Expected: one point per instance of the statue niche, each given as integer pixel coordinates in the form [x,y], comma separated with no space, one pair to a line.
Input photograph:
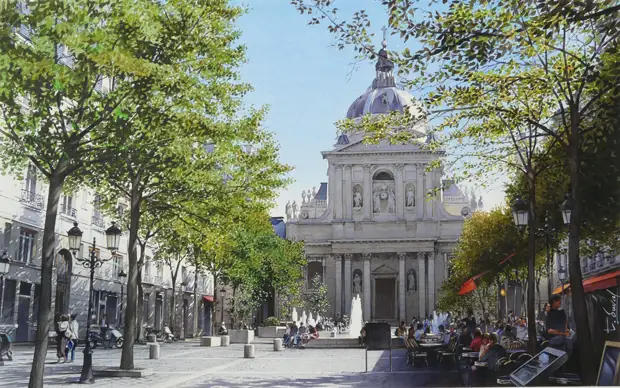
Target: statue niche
[358,197]
[409,196]
[384,196]
[357,282]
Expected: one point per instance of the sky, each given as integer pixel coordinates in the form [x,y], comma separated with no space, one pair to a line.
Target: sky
[308,85]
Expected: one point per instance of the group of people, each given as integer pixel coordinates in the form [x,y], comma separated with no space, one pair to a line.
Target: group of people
[67,332]
[299,336]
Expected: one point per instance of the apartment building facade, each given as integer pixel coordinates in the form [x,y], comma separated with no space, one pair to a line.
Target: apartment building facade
[22,216]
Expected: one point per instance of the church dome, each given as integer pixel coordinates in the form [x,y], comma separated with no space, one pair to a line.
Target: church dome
[383,96]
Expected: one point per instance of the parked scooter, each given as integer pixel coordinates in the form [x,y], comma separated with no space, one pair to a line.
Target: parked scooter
[108,337]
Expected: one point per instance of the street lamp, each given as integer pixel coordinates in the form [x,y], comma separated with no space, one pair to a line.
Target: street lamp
[223,292]
[520,213]
[121,275]
[567,208]
[5,265]
[113,237]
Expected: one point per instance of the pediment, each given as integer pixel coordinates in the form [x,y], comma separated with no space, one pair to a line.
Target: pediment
[360,146]
[385,270]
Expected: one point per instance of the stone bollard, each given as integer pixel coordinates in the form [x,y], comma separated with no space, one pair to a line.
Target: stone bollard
[248,351]
[154,351]
[225,340]
[151,338]
[277,344]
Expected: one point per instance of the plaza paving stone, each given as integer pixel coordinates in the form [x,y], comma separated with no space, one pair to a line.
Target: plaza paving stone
[187,365]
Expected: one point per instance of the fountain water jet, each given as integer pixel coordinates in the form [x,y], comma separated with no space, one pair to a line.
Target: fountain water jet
[438,319]
[294,315]
[355,326]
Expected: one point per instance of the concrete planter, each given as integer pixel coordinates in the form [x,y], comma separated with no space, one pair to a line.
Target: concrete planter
[271,331]
[241,336]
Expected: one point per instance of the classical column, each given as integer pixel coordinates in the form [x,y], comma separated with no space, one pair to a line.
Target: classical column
[366,289]
[419,190]
[422,284]
[400,192]
[430,203]
[367,192]
[446,265]
[431,282]
[402,311]
[347,283]
[338,264]
[338,189]
[348,192]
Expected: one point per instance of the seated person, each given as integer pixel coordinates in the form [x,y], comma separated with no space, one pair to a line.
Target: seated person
[401,331]
[509,339]
[522,329]
[362,338]
[442,333]
[419,331]
[465,337]
[427,332]
[476,343]
[314,333]
[491,352]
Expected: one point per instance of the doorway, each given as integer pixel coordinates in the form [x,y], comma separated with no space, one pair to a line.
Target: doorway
[23,312]
[159,305]
[63,282]
[385,298]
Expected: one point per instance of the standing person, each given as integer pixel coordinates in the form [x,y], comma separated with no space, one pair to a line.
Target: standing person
[61,337]
[557,325]
[73,334]
[542,319]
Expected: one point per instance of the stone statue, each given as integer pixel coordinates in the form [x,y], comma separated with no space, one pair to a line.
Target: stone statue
[474,204]
[377,202]
[294,207]
[391,201]
[480,204]
[303,197]
[412,284]
[410,199]
[357,199]
[313,192]
[288,211]
[357,283]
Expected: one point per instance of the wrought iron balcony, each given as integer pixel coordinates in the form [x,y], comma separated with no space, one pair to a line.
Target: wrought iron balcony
[32,199]
[68,211]
[599,262]
[98,221]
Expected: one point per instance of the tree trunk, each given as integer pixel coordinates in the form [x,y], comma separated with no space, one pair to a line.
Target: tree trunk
[173,308]
[132,278]
[140,304]
[47,262]
[584,338]
[531,250]
[196,330]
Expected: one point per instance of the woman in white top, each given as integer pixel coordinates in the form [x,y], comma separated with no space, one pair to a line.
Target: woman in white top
[72,334]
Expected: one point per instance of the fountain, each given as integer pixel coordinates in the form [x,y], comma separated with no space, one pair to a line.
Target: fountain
[318,318]
[310,317]
[438,319]
[304,318]
[355,326]
[294,315]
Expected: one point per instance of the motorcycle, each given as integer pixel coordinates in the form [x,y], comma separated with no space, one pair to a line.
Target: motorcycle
[108,337]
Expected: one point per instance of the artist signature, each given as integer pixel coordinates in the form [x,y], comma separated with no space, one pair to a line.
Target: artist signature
[612,316]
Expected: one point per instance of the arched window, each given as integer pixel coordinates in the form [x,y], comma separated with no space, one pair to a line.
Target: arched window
[384,176]
[314,268]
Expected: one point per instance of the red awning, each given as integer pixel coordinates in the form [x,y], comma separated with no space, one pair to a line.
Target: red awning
[600,282]
[208,298]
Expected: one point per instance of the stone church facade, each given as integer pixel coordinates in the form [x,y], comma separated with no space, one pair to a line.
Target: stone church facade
[373,229]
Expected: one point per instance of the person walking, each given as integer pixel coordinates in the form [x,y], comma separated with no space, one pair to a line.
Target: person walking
[73,334]
[61,337]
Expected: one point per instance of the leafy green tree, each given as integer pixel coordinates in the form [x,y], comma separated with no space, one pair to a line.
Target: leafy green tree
[66,79]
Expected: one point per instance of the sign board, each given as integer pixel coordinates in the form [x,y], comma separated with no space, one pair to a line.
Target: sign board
[541,365]
[609,370]
[378,336]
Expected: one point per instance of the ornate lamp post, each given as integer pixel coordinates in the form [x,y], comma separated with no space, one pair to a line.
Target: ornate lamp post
[520,214]
[223,293]
[113,237]
[121,275]
[5,266]
[567,208]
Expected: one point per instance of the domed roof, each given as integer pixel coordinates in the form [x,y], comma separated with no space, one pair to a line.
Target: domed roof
[384,97]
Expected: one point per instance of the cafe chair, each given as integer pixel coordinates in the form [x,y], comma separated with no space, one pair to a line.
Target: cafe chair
[451,350]
[414,353]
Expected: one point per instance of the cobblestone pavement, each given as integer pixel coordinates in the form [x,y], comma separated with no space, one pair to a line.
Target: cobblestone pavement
[186,364]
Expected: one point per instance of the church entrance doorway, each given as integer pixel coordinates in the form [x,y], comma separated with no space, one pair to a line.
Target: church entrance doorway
[385,298]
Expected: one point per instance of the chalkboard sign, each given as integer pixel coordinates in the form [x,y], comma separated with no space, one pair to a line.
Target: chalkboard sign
[378,336]
[609,370]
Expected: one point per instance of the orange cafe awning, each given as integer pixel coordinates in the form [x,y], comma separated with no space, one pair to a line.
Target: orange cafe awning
[600,282]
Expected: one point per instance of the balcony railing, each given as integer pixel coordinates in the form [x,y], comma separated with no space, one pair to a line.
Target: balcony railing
[32,199]
[68,211]
[599,262]
[158,280]
[98,221]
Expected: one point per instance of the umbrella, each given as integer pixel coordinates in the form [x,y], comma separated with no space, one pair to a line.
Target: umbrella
[470,285]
